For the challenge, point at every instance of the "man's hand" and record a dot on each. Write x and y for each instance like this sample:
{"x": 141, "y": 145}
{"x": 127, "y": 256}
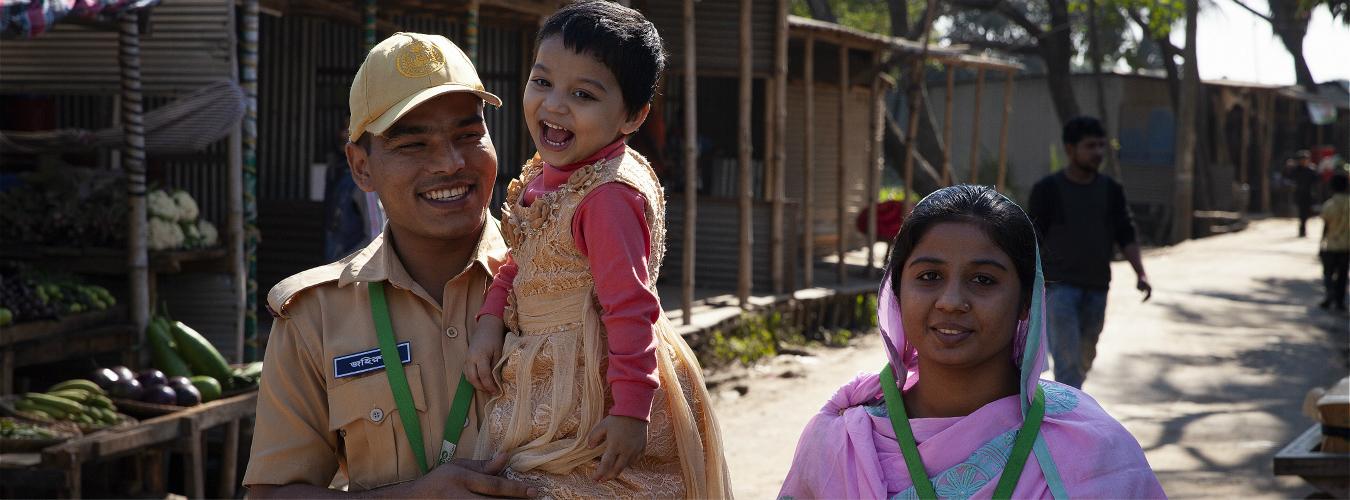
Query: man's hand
{"x": 457, "y": 479}
{"x": 468, "y": 479}
{"x": 1145, "y": 287}
{"x": 485, "y": 347}
{"x": 624, "y": 439}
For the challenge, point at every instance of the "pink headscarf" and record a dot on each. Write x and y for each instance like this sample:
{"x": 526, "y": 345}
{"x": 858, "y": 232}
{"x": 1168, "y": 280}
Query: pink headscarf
{"x": 849, "y": 449}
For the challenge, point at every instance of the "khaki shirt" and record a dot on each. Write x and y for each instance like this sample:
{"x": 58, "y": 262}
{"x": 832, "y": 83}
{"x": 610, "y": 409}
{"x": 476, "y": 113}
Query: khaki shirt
{"x": 311, "y": 423}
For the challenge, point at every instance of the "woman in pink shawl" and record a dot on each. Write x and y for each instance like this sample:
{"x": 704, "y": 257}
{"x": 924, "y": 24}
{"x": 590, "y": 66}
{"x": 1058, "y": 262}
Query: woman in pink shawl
{"x": 979, "y": 423}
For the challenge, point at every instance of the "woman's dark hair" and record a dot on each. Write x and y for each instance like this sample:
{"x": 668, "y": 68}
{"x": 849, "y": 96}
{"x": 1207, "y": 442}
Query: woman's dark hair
{"x": 617, "y": 36}
{"x": 1002, "y": 220}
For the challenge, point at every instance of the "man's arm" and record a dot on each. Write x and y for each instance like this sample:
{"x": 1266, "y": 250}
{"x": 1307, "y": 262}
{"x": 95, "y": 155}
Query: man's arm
{"x": 1040, "y": 208}
{"x": 1126, "y": 238}
{"x": 457, "y": 479}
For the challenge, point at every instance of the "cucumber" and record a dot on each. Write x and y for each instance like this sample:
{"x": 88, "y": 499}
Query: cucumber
{"x": 200, "y": 355}
{"x": 162, "y": 349}
{"x": 207, "y": 386}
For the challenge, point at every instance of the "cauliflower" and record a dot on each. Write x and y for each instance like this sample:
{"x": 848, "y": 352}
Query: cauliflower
{"x": 209, "y": 236}
{"x": 187, "y": 207}
{"x": 164, "y": 235}
{"x": 161, "y": 205}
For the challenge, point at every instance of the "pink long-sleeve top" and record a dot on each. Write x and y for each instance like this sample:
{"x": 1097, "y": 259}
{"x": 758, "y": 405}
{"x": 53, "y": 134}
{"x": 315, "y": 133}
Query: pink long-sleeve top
{"x": 610, "y": 229}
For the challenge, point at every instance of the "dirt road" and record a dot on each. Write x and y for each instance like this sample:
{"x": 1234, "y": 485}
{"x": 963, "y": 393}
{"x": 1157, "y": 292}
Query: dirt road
{"x": 1209, "y": 375}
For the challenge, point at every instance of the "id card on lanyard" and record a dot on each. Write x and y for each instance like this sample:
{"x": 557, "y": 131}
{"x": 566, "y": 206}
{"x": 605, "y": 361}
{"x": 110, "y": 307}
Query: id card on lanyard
{"x": 398, "y": 384}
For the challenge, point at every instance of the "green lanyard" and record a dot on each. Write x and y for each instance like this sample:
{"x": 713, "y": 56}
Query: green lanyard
{"x": 398, "y": 383}
{"x": 895, "y": 406}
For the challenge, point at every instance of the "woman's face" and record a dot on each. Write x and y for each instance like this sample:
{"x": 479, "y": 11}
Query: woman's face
{"x": 960, "y": 298}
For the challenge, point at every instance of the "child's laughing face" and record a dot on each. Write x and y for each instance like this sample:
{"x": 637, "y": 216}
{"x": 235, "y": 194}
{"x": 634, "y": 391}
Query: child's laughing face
{"x": 573, "y": 105}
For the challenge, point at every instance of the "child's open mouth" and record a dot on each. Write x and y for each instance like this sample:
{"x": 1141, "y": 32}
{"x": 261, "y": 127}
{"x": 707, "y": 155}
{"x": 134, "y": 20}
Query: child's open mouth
{"x": 554, "y": 137}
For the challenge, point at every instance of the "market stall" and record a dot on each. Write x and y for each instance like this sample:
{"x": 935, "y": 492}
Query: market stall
{"x": 90, "y": 232}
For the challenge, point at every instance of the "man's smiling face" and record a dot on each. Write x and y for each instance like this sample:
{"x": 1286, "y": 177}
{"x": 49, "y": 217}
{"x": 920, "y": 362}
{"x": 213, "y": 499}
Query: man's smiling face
{"x": 434, "y": 168}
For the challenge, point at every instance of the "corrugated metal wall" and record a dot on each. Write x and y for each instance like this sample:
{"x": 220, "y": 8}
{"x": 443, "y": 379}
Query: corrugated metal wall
{"x": 825, "y": 181}
{"x": 187, "y": 46}
{"x": 718, "y": 243}
{"x": 717, "y": 26}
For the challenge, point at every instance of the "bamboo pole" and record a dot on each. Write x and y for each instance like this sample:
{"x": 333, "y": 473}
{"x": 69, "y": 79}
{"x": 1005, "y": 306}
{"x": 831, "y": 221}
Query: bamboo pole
{"x": 913, "y": 95}
{"x": 471, "y": 30}
{"x": 1002, "y": 181}
{"x": 841, "y": 193}
{"x": 809, "y": 162}
{"x": 133, "y": 163}
{"x": 947, "y": 128}
{"x": 779, "y": 148}
{"x": 1265, "y": 125}
{"x": 690, "y": 163}
{"x": 235, "y": 221}
{"x": 874, "y": 174}
{"x": 249, "y": 81}
{"x": 975, "y": 128}
{"x": 745, "y": 262}
{"x": 1245, "y": 143}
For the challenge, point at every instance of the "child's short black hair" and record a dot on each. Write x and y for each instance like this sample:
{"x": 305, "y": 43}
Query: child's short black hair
{"x": 617, "y": 36}
{"x": 1340, "y": 183}
{"x": 1078, "y": 128}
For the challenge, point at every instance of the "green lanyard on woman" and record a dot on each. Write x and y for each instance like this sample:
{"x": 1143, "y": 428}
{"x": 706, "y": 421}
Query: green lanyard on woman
{"x": 398, "y": 383}
{"x": 895, "y": 407}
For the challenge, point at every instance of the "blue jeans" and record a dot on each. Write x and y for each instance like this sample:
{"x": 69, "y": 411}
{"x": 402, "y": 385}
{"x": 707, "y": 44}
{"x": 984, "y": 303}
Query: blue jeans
{"x": 1076, "y": 316}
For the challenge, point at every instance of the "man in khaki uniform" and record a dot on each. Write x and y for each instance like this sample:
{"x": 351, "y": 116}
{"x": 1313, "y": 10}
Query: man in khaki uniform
{"x": 327, "y": 400}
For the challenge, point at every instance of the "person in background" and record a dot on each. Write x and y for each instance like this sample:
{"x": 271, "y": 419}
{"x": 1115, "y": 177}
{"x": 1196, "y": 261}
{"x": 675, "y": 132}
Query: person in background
{"x": 1335, "y": 246}
{"x": 1081, "y": 216}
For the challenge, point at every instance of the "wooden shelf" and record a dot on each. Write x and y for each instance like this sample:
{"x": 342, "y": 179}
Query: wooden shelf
{"x": 38, "y": 330}
{"x": 94, "y": 260}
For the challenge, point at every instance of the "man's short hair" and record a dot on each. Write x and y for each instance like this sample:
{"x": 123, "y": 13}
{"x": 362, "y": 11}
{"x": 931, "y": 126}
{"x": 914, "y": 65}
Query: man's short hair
{"x": 617, "y": 36}
{"x": 1081, "y": 127}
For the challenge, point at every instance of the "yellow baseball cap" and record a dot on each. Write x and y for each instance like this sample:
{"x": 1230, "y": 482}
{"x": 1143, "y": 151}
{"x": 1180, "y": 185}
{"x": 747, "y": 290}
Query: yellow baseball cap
{"x": 404, "y": 71}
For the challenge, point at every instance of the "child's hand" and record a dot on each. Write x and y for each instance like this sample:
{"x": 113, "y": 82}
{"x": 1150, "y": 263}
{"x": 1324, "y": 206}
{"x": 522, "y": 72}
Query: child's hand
{"x": 624, "y": 439}
{"x": 485, "y": 346}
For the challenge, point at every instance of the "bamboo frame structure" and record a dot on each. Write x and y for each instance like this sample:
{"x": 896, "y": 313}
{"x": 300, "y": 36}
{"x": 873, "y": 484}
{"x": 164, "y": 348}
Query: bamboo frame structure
{"x": 746, "y": 263}
{"x": 1002, "y": 181}
{"x": 808, "y": 162}
{"x": 975, "y": 128}
{"x": 841, "y": 244}
{"x": 690, "y": 163}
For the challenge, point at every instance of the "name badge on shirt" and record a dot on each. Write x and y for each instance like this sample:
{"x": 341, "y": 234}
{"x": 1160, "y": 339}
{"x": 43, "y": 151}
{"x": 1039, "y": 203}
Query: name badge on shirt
{"x": 367, "y": 361}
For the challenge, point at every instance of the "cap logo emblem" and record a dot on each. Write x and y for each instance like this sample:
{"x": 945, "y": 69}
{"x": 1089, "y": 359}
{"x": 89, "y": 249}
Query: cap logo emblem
{"x": 419, "y": 59}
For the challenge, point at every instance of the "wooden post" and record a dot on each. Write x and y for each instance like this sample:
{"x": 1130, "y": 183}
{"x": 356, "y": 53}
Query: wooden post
{"x": 809, "y": 161}
{"x": 248, "y": 80}
{"x": 1266, "y": 127}
{"x": 1245, "y": 144}
{"x": 235, "y": 204}
{"x": 1184, "y": 201}
{"x": 745, "y": 262}
{"x": 874, "y": 174}
{"x": 229, "y": 461}
{"x": 133, "y": 163}
{"x": 1002, "y": 181}
{"x": 779, "y": 149}
{"x": 947, "y": 128}
{"x": 690, "y": 163}
{"x": 842, "y": 171}
{"x": 471, "y": 30}
{"x": 975, "y": 128}
{"x": 914, "y": 93}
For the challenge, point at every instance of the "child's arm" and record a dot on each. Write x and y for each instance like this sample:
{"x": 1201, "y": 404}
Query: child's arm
{"x": 611, "y": 230}
{"x": 485, "y": 345}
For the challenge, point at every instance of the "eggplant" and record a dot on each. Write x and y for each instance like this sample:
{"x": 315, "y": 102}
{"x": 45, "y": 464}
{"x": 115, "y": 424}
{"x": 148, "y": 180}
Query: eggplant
{"x": 176, "y": 382}
{"x": 152, "y": 378}
{"x": 123, "y": 373}
{"x": 188, "y": 396}
{"x": 163, "y": 395}
{"x": 128, "y": 389}
{"x": 105, "y": 378}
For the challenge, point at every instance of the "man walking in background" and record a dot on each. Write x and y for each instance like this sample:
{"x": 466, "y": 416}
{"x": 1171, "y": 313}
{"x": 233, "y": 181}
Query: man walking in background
{"x": 1081, "y": 216}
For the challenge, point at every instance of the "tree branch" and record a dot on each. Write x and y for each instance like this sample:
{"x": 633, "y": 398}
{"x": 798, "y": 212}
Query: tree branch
{"x": 1244, "y": 5}
{"x": 1021, "y": 49}
{"x": 1004, "y": 9}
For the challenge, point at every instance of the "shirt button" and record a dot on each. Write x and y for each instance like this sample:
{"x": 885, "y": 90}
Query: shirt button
{"x": 451, "y": 332}
{"x": 376, "y": 415}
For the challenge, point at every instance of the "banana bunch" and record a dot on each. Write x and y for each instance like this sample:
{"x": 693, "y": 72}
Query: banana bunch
{"x": 79, "y": 401}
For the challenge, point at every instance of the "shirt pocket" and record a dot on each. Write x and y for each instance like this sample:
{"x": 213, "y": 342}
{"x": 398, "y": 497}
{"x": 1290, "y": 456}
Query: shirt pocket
{"x": 363, "y": 413}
